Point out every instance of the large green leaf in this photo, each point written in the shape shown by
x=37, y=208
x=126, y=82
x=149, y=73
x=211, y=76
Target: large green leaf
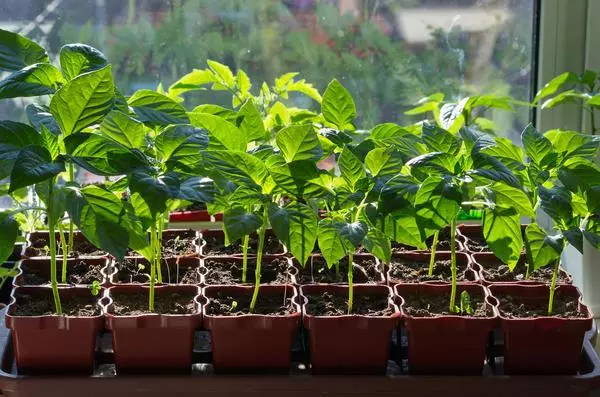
x=435, y=163
x=83, y=101
x=475, y=140
x=299, y=178
x=220, y=111
x=76, y=59
x=556, y=202
x=538, y=148
x=50, y=142
x=14, y=137
x=398, y=193
x=378, y=243
x=182, y=147
x=17, y=52
x=195, y=80
x=579, y=174
x=440, y=140
x=542, y=249
x=592, y=232
x=331, y=243
x=555, y=84
x=223, y=134
x=252, y=124
x=154, y=108
x=402, y=227
x=9, y=231
x=506, y=152
x=299, y=142
x=40, y=116
x=572, y=143
x=197, y=189
x=224, y=75
x=35, y=80
x=490, y=167
x=296, y=225
x=437, y=203
x=59, y=204
x=338, y=106
x=383, y=162
x=351, y=168
x=32, y=165
x=506, y=196
x=239, y=167
x=156, y=190
x=502, y=232
x=124, y=129
x=237, y=223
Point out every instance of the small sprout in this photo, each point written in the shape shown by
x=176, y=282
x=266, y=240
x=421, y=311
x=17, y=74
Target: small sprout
x=465, y=303
x=141, y=267
x=234, y=305
x=95, y=287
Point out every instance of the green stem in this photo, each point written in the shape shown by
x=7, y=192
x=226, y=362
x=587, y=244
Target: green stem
x=70, y=247
x=259, y=254
x=433, y=251
x=152, y=268
x=553, y=287
x=453, y=264
x=350, y=283
x=63, y=244
x=158, y=249
x=52, y=233
x=245, y=258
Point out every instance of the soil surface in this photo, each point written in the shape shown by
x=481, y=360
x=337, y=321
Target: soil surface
x=185, y=274
x=225, y=305
x=215, y=246
x=477, y=244
x=230, y=272
x=413, y=272
x=495, y=272
x=136, y=304
x=429, y=305
x=443, y=244
x=194, y=207
x=35, y=305
x=131, y=271
x=329, y=304
x=364, y=271
x=81, y=247
x=179, y=245
x=514, y=307
x=79, y=273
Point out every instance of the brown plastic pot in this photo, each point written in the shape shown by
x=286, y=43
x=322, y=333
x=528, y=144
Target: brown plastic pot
x=350, y=343
x=446, y=344
x=221, y=235
x=227, y=261
x=152, y=342
x=462, y=259
x=189, y=216
x=542, y=345
x=359, y=272
x=252, y=342
x=41, y=266
x=53, y=343
x=482, y=260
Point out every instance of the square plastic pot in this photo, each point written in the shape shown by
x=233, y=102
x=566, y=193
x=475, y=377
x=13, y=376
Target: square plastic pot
x=238, y=262
x=78, y=238
x=152, y=342
x=41, y=266
x=351, y=343
x=542, y=345
x=53, y=343
x=189, y=216
x=360, y=274
x=462, y=259
x=252, y=342
x=446, y=344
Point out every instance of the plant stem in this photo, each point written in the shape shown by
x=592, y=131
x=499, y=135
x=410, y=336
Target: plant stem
x=71, y=226
x=52, y=233
x=433, y=250
x=259, y=254
x=158, y=248
x=350, y=283
x=63, y=244
x=152, y=267
x=553, y=287
x=453, y=264
x=245, y=258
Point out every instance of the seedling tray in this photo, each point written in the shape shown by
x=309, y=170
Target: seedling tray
x=202, y=381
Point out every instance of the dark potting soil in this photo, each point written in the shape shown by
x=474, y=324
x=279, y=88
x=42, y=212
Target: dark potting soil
x=194, y=207
x=316, y=271
x=182, y=275
x=413, y=272
x=81, y=272
x=178, y=245
x=516, y=307
x=135, y=304
x=329, y=304
x=215, y=246
x=226, y=305
x=40, y=247
x=230, y=272
x=131, y=271
x=477, y=244
x=443, y=244
x=500, y=272
x=35, y=305
x=429, y=305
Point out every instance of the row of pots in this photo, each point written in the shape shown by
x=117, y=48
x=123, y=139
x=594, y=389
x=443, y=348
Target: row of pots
x=353, y=343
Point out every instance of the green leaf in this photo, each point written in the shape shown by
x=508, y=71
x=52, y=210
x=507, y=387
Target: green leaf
x=32, y=165
x=9, y=231
x=331, y=243
x=402, y=227
x=223, y=134
x=239, y=167
x=40, y=116
x=155, y=109
x=555, y=84
x=432, y=163
x=579, y=174
x=299, y=142
x=440, y=140
x=476, y=141
x=506, y=196
x=83, y=101
x=223, y=74
x=502, y=232
x=571, y=143
x=252, y=124
x=59, y=205
x=398, y=194
x=351, y=167
x=378, y=243
x=35, y=80
x=491, y=168
x=383, y=162
x=181, y=146
x=154, y=189
x=238, y=223
x=451, y=115
x=437, y=203
x=50, y=142
x=305, y=88
x=538, y=148
x=17, y=52
x=592, y=232
x=195, y=80
x=542, y=248
x=216, y=110
x=299, y=178
x=506, y=152
x=296, y=225
x=76, y=59
x=556, y=202
x=197, y=189
x=124, y=129
x=14, y=137
x=570, y=96
x=574, y=236
x=338, y=106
